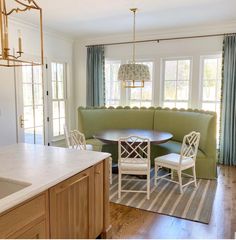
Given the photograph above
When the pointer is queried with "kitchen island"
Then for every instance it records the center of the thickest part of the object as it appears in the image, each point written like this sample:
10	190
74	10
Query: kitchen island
49	192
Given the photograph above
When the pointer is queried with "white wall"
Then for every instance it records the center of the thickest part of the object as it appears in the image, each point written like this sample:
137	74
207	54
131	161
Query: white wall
153	51
57	48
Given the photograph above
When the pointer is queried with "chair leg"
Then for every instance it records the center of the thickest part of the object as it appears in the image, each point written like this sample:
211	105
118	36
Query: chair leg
156	174
148	186
119	185
194	176
180	181
172	174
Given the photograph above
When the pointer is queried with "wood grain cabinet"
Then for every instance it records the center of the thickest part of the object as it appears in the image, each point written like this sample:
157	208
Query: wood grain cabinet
28	220
77	205
75	208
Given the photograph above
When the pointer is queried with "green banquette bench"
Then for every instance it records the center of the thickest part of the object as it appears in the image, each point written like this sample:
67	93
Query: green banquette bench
177	122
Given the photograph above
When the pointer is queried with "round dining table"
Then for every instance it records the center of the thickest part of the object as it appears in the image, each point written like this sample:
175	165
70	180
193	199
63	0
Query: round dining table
112	136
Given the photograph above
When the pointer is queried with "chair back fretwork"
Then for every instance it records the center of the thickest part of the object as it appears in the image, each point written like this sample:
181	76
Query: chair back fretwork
190	146
135	149
77	140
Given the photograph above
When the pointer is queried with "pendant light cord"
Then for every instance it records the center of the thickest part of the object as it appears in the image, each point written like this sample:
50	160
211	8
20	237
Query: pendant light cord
134	33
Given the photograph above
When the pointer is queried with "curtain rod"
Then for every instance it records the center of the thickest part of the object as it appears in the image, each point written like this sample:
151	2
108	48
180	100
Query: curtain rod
161	39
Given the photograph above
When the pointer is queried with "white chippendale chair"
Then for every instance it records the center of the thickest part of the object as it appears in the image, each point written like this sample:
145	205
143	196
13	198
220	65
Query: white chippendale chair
180	162
133	159
76	140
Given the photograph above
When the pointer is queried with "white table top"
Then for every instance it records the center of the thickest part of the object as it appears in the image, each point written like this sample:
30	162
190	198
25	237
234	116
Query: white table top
42	167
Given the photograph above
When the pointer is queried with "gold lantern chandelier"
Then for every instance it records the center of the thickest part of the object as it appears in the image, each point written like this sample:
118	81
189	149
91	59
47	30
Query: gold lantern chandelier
134	75
13	57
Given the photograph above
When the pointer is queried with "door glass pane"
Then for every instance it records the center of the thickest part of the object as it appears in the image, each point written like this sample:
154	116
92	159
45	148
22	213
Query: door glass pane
39	116
33	104
28	117
38	94
29	135
37	74
39	135
27	74
27	94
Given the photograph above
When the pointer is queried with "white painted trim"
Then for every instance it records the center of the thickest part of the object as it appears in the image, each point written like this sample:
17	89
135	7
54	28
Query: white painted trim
155	34
47	31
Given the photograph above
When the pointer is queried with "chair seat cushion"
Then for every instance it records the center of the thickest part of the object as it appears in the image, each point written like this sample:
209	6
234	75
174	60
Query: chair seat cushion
173	159
132	164
89	147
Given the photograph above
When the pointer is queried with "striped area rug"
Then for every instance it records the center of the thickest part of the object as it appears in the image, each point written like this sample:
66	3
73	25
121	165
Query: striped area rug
194	204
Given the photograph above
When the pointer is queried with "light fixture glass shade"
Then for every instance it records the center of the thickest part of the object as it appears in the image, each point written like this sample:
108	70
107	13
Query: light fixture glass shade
134	73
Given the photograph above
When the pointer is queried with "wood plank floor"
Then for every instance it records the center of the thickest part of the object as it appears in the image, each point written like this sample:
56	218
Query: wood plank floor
134	223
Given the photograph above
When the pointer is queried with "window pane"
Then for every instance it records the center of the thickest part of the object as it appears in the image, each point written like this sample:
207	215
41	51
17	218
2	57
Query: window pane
209	107
113	85
62	109
183	69
209	90
135	94
54	72
54	90
170	70
182	90
60	72
170	90
183	105
147	91
62	123
210	69
60	90
55	110
218	97
169	105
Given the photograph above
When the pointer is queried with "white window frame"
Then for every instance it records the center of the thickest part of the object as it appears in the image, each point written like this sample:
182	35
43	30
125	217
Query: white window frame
202	58
162	82
201	101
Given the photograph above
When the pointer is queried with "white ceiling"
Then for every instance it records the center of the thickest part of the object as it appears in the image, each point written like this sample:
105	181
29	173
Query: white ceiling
88	18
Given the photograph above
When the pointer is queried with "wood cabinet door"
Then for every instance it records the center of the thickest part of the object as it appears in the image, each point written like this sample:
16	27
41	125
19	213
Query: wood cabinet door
39	231
99	199
71	207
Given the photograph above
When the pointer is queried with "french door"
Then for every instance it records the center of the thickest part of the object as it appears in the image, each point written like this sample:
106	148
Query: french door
31	109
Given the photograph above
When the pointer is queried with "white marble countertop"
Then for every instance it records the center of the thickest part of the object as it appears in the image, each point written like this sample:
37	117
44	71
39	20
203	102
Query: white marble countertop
42	167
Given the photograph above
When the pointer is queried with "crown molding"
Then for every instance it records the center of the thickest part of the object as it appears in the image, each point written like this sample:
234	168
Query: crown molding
46	30
171	32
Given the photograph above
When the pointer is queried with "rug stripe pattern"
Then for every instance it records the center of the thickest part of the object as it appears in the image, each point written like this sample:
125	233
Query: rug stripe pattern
194	204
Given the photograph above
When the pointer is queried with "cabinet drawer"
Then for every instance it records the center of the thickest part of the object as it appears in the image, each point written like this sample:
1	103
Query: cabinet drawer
39	231
23	216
